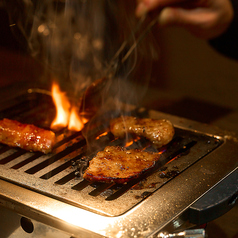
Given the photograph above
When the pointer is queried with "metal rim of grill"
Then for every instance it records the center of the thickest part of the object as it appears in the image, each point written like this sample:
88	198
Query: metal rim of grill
53	176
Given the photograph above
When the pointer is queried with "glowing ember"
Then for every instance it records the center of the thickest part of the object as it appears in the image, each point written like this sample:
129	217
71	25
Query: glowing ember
128	143
103	134
65	114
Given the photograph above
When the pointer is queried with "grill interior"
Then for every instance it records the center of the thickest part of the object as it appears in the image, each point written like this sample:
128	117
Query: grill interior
58	174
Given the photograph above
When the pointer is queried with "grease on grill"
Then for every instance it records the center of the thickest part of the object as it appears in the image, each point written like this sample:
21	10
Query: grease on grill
143	195
169	174
80	166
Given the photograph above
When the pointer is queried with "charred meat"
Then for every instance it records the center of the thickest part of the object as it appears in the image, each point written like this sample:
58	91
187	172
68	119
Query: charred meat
119	165
25	136
159	132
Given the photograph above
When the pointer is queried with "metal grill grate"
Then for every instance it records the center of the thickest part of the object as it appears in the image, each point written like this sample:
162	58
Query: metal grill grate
57	174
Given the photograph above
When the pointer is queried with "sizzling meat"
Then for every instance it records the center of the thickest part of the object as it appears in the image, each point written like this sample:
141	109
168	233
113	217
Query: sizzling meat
28	137
119	164
160	132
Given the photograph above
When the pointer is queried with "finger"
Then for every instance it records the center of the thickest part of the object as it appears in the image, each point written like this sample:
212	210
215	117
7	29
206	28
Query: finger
143	6
181	17
200	22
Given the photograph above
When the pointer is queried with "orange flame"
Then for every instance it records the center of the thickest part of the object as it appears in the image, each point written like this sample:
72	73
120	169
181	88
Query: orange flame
66	115
75	121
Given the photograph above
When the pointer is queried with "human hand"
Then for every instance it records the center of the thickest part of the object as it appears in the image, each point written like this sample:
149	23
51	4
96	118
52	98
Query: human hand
204	18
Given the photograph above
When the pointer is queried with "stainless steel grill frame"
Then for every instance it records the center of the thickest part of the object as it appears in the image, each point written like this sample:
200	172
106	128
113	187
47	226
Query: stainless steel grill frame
163	208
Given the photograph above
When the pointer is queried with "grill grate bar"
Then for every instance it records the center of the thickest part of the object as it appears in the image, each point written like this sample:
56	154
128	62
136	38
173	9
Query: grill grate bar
3	149
119	192
184	148
66	178
80	186
12	156
101	188
55	157
73	174
57	170
35	156
67	138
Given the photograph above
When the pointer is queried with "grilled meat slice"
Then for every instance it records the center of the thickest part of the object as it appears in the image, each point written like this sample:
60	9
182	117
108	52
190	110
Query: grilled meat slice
159	132
25	136
119	165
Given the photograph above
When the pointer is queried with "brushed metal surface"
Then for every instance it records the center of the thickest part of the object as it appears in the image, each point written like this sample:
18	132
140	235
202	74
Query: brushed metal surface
163	209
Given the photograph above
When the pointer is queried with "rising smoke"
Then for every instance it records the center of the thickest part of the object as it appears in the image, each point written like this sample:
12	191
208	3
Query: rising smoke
76	39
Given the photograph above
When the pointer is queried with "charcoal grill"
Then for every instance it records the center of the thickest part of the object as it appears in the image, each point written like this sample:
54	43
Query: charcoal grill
49	190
